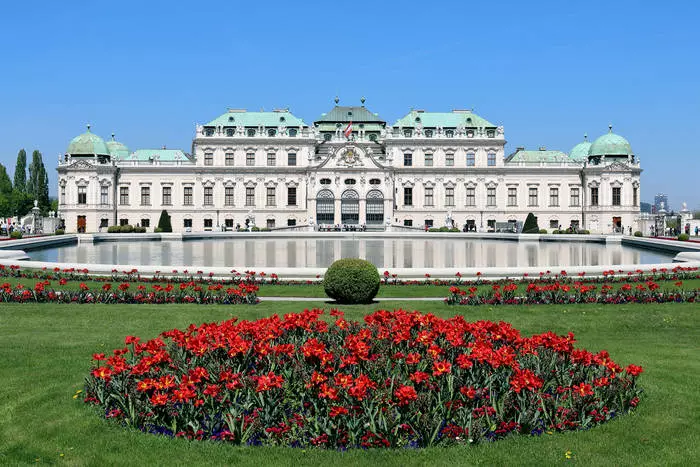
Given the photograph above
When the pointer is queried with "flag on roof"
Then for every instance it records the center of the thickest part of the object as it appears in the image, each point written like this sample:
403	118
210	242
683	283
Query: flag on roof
348	130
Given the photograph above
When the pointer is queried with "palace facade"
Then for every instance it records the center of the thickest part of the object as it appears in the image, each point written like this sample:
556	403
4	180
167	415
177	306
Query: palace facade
349	167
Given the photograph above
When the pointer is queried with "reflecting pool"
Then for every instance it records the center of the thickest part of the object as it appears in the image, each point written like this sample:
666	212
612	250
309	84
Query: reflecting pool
383	252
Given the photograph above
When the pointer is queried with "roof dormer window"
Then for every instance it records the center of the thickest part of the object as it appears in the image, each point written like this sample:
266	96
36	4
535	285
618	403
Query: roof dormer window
250	132
292	132
491	134
229	131
408	133
271	132
282	119
209	132
449	133
428	133
230	119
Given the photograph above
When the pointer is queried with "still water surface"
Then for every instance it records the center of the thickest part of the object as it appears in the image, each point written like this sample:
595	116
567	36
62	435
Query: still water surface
384	253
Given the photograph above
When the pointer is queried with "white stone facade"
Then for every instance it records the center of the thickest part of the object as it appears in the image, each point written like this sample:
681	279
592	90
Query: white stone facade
378	175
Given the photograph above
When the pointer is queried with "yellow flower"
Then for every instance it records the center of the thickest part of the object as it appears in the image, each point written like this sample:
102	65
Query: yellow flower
567	454
75	396
78	391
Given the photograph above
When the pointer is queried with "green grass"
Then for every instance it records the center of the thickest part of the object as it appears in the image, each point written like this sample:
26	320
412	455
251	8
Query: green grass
45	353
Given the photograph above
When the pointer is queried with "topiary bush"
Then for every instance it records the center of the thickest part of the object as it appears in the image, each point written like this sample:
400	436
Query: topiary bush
543	231
59	232
638	234
16	234
530	225
139	229
128	228
164	222
584	232
351	281
683	237
114	229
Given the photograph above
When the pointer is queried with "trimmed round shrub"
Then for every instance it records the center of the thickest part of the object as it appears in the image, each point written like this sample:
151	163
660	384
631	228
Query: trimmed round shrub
543	231
255	228
16	234
683	237
113	229
584	232
128	228
638	234
351	281
139	229
59	232
158	230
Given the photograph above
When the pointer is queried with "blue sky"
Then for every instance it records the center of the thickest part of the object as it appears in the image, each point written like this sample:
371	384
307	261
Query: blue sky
548	71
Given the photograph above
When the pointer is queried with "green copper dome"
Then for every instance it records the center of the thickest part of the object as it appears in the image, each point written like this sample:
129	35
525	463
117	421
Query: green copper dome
610	145
579	153
87	144
117	149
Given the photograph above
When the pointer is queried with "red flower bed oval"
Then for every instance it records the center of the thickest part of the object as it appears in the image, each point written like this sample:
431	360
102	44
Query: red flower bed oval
398	379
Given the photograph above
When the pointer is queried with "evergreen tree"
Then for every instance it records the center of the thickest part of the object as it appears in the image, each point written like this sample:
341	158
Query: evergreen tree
164	222
5	193
530	225
21	171
38	183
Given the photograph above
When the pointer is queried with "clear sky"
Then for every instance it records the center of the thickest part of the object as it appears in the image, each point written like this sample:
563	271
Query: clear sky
547	71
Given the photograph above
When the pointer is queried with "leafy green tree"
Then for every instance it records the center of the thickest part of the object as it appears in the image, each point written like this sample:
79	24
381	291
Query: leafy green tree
21	171
5	182
164	222
530	225
21	203
38	183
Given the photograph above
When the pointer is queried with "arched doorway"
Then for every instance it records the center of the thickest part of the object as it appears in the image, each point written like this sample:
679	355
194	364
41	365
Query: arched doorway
325	207
350	207
375	207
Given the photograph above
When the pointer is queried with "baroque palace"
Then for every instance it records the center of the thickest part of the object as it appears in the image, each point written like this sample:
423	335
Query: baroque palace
351	168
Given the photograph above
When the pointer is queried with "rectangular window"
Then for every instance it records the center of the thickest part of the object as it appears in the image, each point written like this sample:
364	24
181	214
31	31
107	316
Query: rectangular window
82	195
449	196
428	223
104	195
491	225
167	196
208	158
62	199
123	195
491	196
187	198
408	222
553	224
616	196
229	159
575	197
407	159
271	159
145	222
228	223
471	196
291	222
250	159
428	159
270	224
228	196
532	196
428	196
512	196
292	158
145	196
271	196
291	196
187	223
408	196
449	159
553	196
123	222
471	159
208	223
250	196
594	196
208	196
634	195
491	159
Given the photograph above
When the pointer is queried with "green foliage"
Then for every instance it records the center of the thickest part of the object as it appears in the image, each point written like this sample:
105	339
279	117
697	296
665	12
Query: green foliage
255	228
114	229
21	203
530	225
157	230
139	229
16	234
164	222
584	232
59	232
21	171
38	183
683	237
128	228
638	234
543	231
351	281
5	182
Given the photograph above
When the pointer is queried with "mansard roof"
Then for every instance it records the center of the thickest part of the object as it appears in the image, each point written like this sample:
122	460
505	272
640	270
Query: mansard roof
241	117
465	118
163	155
344	114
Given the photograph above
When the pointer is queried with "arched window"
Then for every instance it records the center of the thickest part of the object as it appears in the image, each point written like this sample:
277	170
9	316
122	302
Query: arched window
350	181
375	207
350	207
292	132
325	207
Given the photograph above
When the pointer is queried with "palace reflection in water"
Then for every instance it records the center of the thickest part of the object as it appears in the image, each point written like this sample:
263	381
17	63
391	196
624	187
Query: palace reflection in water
384	253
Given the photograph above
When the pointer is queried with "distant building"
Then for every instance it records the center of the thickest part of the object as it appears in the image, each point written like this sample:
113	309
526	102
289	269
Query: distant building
661	198
349	167
645	208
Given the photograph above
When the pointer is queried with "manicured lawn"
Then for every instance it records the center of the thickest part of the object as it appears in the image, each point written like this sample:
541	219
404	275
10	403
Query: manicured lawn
45	353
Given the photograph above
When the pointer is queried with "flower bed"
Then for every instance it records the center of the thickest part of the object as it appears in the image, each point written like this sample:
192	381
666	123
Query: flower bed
400	379
563	293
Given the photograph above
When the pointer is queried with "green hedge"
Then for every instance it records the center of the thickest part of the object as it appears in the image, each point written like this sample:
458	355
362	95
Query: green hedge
683	237
351	281
638	234
59	232
16	234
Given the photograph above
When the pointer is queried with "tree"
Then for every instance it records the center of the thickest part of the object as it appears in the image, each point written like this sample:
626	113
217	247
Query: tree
164	222
531	224
5	193
21	203
38	183
21	171
5	182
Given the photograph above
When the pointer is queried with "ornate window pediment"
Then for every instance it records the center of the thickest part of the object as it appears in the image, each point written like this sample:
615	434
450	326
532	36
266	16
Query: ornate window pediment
594	184
449	184
408	184
292	183
491	184
82	182
616	183
270	184
208	183
470	184
229	183
250	184
428	184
